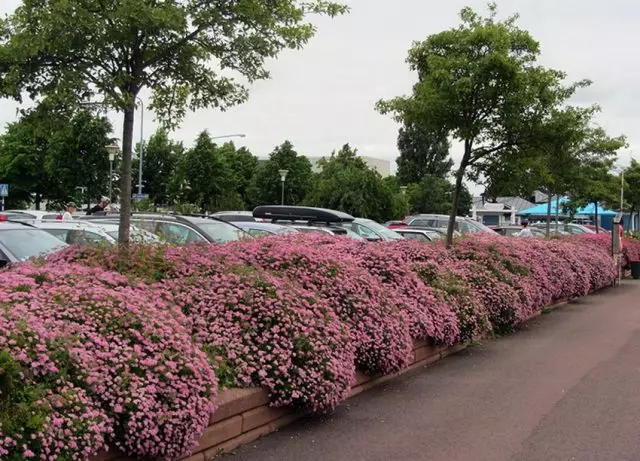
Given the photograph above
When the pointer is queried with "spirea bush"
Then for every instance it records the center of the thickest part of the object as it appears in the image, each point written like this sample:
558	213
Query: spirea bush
97	353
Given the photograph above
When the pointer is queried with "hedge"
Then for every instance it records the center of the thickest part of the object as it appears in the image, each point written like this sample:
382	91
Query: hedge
94	353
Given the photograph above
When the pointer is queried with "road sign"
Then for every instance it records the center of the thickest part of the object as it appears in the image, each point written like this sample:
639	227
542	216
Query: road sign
138	197
4	190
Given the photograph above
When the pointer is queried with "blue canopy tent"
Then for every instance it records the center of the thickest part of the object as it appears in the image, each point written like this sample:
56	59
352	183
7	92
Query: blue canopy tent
540	211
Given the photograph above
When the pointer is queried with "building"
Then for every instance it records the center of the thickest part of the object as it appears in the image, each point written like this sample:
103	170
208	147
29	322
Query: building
380	165
501	212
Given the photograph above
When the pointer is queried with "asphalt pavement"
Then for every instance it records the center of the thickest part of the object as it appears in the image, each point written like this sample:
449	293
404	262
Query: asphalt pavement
564	387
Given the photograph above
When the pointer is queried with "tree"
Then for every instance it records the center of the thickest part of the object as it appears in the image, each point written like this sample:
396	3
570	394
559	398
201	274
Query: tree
266	186
179	49
243	166
480	84
202	177
594	181
632	189
78	158
51	152
434	194
346	183
159	163
422	153
24	149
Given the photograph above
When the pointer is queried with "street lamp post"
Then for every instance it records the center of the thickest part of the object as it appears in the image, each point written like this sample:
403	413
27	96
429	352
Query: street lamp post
239	135
622	192
283	178
112	151
141	146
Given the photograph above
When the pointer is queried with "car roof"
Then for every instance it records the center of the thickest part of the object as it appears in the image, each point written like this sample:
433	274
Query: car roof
301	213
15	225
259	225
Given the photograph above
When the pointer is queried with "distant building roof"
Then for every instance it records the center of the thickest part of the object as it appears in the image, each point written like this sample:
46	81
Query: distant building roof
502	203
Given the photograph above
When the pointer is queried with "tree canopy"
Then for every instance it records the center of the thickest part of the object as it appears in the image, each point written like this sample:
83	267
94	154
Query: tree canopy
48	154
159	163
346	183
434	194
181	50
422	153
266	186
479	83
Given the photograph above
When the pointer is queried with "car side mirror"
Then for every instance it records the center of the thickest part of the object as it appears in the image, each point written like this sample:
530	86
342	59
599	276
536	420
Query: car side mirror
374	238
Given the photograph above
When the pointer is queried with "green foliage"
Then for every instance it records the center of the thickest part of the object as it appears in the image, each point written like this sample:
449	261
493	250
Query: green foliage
50	152
632	188
159	163
480	84
23	408
243	166
346	183
182	50
422	153
266	185
435	194
202	176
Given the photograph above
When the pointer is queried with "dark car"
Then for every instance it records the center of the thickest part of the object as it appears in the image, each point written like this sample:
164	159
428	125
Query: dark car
180	230
20	241
308	219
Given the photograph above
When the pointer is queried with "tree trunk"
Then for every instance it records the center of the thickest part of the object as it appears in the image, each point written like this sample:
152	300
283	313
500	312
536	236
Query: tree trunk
631	222
456	194
596	217
125	178
548	226
38	200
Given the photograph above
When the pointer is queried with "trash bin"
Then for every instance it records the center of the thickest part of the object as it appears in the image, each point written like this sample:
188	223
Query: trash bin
635	269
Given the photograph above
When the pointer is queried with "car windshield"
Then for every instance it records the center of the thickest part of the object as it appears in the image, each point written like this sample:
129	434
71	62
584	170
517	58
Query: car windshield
468	226
27	243
379	229
222	232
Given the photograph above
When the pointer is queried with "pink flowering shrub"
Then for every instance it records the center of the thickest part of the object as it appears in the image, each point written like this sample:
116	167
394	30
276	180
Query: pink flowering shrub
265	331
379	333
96	353
146	387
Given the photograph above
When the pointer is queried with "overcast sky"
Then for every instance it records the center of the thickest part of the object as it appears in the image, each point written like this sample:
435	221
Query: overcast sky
323	96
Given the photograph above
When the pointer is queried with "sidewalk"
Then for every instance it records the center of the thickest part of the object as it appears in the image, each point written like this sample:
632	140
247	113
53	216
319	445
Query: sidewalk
565	387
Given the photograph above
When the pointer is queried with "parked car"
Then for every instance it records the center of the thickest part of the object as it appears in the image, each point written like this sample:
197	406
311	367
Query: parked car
327	230
234	216
573	229
136	234
263	229
463	225
509	231
600	229
76	232
423	234
31	215
180	230
308	219
371	230
20	241
396	224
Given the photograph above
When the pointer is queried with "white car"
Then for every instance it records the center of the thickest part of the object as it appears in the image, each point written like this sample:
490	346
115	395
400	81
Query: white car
76	232
31	215
136	234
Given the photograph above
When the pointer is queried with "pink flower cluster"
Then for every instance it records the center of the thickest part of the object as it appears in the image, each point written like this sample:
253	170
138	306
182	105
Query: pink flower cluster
132	355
